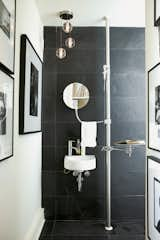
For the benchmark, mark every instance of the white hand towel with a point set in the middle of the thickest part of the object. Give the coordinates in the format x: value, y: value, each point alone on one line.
x: 88, y: 134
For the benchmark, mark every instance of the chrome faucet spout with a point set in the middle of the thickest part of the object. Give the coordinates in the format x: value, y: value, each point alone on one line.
x: 77, y: 150
x: 71, y: 148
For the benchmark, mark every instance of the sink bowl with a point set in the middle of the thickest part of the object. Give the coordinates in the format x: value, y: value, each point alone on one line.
x: 80, y: 162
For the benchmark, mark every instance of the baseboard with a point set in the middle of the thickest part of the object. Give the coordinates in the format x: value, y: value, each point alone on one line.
x: 36, y: 226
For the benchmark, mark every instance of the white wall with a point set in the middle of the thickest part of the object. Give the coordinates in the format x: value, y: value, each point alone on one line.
x: 122, y: 13
x: 152, y: 57
x: 20, y: 176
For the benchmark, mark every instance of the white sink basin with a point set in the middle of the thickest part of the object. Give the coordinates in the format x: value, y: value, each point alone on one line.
x: 80, y: 162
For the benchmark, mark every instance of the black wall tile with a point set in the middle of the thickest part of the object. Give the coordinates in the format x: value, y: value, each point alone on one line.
x: 49, y: 136
x: 66, y: 184
x: 50, y: 61
x: 60, y: 153
x: 64, y: 114
x: 49, y: 110
x: 94, y: 38
x: 138, y: 163
x: 94, y: 110
x: 125, y: 84
x: 48, y: 183
x: 127, y: 184
x: 76, y: 207
x: 49, y: 208
x: 84, y: 64
x: 49, y: 158
x: 50, y: 37
x: 127, y: 130
x: 128, y: 109
x: 81, y: 61
x: 128, y: 207
x: 49, y: 84
x: 127, y: 38
x: 135, y: 163
x: 123, y: 61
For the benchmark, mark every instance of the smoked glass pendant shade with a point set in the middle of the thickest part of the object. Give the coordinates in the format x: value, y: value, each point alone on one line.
x: 70, y: 42
x: 61, y: 53
x: 67, y: 27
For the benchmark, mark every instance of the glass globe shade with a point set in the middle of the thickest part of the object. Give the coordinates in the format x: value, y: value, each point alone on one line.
x: 61, y: 53
x: 67, y: 27
x: 70, y: 42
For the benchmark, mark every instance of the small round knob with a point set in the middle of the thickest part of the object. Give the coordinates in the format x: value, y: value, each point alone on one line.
x: 87, y: 174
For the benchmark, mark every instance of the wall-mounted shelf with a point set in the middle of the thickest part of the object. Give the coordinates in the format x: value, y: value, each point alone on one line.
x: 126, y: 146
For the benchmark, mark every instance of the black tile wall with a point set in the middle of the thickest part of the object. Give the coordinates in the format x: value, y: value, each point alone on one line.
x: 84, y: 64
x: 128, y: 120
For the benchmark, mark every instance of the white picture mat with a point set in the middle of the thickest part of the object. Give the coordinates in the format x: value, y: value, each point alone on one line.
x: 6, y: 141
x: 32, y: 123
x: 157, y: 9
x: 6, y: 44
x: 153, y: 172
x: 154, y: 129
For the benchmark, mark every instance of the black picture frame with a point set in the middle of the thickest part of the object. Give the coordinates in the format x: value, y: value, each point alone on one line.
x: 7, y: 38
x: 7, y: 79
x: 150, y: 116
x: 157, y: 160
x: 156, y: 13
x: 28, y: 59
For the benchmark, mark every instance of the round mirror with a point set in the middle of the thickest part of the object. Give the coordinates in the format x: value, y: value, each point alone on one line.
x: 76, y: 95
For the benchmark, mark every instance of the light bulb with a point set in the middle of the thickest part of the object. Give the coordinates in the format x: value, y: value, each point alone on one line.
x: 70, y: 42
x: 67, y: 27
x: 61, y: 53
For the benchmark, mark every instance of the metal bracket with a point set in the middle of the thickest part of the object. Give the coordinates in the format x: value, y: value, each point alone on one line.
x: 128, y: 149
x: 107, y: 121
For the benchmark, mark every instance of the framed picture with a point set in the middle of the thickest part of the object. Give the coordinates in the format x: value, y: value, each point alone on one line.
x: 154, y: 108
x: 30, y: 88
x: 6, y: 116
x: 153, y: 197
x: 7, y: 34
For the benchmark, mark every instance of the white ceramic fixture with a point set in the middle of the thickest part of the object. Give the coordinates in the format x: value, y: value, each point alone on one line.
x: 80, y: 162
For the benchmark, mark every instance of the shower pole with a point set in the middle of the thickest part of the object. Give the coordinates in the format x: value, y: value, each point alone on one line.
x: 106, y: 74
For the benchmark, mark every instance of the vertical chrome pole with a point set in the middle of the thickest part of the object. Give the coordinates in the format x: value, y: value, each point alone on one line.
x: 106, y: 72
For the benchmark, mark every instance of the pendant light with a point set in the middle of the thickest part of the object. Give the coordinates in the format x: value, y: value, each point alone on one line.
x: 60, y: 52
x: 70, y: 42
x: 66, y: 15
x: 67, y: 27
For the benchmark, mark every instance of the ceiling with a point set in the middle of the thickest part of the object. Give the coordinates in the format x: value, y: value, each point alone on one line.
x: 125, y: 13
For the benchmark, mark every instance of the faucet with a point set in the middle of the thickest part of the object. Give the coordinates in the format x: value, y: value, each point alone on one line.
x: 77, y: 148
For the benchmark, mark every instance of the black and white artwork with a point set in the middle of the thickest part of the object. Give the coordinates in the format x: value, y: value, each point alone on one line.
x: 30, y: 88
x: 7, y: 34
x: 3, y: 112
x: 6, y: 116
x: 157, y: 204
x: 34, y: 91
x: 156, y: 12
x: 157, y: 105
x: 5, y: 19
x: 154, y: 108
x: 153, y: 197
